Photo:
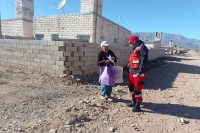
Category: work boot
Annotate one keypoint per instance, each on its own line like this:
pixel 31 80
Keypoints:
pixel 132 103
pixel 137 107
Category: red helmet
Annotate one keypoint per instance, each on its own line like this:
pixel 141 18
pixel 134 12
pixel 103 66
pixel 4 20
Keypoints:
pixel 133 38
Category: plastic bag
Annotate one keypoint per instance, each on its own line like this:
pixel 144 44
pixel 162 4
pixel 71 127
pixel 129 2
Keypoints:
pixel 119 74
pixel 107 75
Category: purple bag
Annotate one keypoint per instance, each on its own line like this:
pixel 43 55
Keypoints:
pixel 107 75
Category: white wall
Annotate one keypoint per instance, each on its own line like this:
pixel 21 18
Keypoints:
pixel 12 27
pixel 67 26
pixel 108 30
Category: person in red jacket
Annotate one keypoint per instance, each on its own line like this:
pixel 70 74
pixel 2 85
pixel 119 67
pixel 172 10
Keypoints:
pixel 136 64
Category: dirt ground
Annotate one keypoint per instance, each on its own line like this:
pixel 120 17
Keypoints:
pixel 41 103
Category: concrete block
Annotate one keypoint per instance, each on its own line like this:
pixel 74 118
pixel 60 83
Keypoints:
pixel 56 67
pixel 43 42
pixel 61 48
pixel 73 68
pixel 77 72
pixel 67 54
pixel 62 68
pixel 59 53
pixel 68 64
pixel 59 43
pixel 78 54
pixel 34 64
pixel 60 63
pixel 56 58
pixel 51 43
pixel 79 63
pixel 72 58
pixel 47 57
pixel 90 54
pixel 55 48
pixel 28 63
pixel 78 44
pixel 44 60
pixel 71 49
pixel 38 60
pixel 62 58
pixel 51 62
pixel 21 62
pixel 82 49
pixel 15 61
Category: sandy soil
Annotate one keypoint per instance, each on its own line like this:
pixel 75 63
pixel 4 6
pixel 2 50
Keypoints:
pixel 35 103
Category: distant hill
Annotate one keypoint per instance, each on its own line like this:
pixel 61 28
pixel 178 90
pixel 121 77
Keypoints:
pixel 177 39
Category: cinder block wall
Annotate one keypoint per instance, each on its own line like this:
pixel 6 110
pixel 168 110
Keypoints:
pixel 66 26
pixel 155 52
pixel 17 27
pixel 112 32
pixel 12 27
pixel 33 55
pixel 81 58
pixel 58 57
pixel 55 57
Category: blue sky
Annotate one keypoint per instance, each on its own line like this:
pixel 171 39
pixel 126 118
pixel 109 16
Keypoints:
pixel 170 16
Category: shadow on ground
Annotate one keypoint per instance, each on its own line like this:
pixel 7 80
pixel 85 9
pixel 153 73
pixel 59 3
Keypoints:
pixel 163 77
pixel 183 111
pixel 161 73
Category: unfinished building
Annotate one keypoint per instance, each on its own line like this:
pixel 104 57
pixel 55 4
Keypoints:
pixel 89 25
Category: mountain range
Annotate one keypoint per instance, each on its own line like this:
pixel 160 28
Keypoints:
pixel 179 40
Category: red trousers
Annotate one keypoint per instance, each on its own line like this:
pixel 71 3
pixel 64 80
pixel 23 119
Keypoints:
pixel 136 84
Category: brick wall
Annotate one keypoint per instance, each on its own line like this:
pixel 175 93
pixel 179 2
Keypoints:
pixel 71 25
pixel 81 58
pixel 12 27
pixel 40 56
pixel 17 27
pixel 154 49
pixel 67 26
pixel 57 57
pixel 91 6
pixel 112 32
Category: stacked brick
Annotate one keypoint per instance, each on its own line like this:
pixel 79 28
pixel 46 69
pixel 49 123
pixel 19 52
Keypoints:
pixel 56 57
pixel 81 57
pixel 33 55
pixel 12 27
pixel 66 26
pixel 122 54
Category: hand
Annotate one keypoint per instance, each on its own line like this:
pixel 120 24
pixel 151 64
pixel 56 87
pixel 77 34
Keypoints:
pixel 107 61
